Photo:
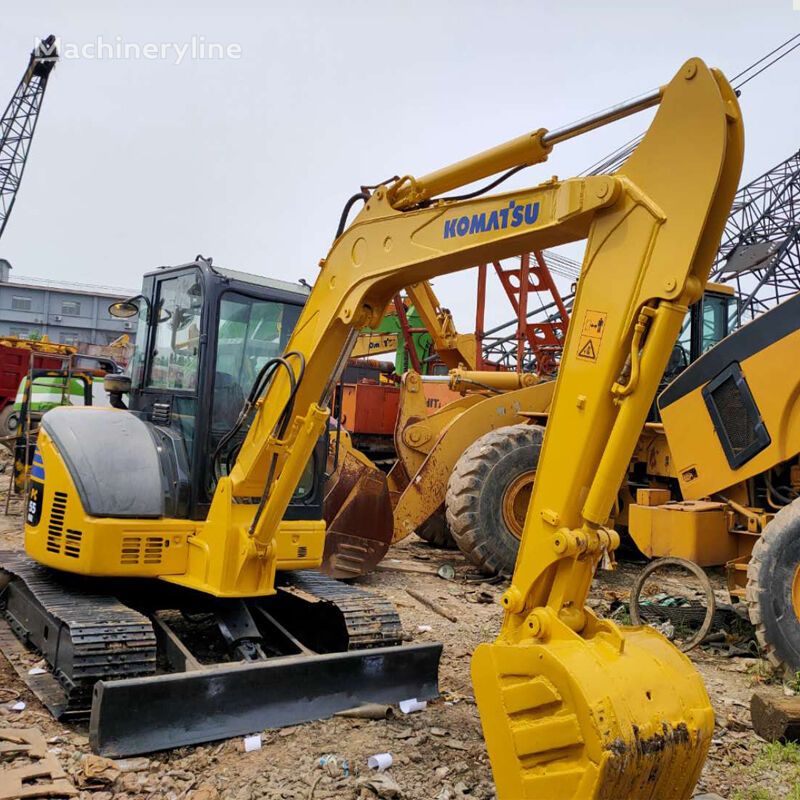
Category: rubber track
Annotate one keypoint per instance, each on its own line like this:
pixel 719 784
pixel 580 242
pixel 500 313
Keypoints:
pixel 371 620
pixel 107 639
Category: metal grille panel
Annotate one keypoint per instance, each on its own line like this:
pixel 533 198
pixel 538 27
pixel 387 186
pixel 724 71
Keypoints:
pixel 55 527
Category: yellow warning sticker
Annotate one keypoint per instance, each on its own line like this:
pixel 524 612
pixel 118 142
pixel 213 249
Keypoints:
pixel 587 348
pixel 594 325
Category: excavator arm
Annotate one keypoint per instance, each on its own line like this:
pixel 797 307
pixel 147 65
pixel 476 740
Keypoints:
pixel 571 705
pixel 453 349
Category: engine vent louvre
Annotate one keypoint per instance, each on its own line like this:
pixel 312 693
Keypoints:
pixel 735 416
pixel 141 550
pixel 72 543
pixel 55 527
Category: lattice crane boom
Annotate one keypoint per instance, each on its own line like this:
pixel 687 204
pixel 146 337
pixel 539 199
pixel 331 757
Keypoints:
pixel 760 249
pixel 18 123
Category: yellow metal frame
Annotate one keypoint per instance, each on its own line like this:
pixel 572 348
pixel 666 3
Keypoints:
pixel 453 349
pixel 428 446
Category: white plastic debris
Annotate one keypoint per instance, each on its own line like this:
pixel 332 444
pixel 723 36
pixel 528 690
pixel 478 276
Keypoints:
pixel 20 706
pixel 36 671
pixel 412 705
pixel 252 743
pixel 380 761
pixel 424 628
pixel 666 629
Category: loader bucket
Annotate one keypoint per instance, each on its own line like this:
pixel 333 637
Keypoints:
pixel 606 715
pixel 159 712
pixel 358 515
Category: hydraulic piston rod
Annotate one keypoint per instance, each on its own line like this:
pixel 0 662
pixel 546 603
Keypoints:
pixel 530 148
pixel 612 114
pixel 464 380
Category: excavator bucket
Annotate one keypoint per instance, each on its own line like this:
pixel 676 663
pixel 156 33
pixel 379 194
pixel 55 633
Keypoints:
pixel 617 715
pixel 358 512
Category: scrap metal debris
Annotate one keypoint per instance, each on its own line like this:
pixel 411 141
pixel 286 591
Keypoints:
pixel 42 776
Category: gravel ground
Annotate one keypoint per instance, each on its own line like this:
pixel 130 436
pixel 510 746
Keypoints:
pixel 438 753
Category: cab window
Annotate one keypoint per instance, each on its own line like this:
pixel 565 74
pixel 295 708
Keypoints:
pixel 250 333
pixel 714 322
pixel 176 344
pixel 137 363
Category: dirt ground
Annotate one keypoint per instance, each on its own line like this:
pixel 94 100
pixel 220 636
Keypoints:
pixel 438 753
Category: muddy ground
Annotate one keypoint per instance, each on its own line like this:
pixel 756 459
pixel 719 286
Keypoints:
pixel 439 753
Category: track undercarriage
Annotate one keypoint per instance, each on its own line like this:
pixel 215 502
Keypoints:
pixel 156 666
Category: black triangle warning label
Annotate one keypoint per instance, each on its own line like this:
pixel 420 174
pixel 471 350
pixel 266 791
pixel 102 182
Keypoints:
pixel 587 349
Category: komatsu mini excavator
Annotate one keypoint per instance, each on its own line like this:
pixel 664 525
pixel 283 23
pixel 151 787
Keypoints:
pixel 572 706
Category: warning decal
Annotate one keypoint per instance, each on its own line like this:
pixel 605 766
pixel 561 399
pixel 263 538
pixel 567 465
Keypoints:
pixel 594 324
pixel 587 349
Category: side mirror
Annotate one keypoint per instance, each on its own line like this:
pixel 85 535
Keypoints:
pixel 117 383
pixel 116 386
pixel 124 309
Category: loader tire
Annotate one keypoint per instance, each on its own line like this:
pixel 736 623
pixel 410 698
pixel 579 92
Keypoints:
pixel 436 532
pixel 488 493
pixel 9 422
pixel 773 589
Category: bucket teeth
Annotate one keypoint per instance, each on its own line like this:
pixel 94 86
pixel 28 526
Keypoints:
pixel 543 736
pixel 528 694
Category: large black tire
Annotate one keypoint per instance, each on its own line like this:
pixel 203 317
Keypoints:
pixel 476 491
pixel 435 531
pixel 773 571
pixel 9 422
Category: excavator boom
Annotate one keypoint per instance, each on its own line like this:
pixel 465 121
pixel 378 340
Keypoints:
pixel 571 705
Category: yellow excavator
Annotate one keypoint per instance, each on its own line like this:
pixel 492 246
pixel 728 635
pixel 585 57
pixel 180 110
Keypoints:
pixel 571 705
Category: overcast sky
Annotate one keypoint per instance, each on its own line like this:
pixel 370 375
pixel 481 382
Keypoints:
pixel 249 159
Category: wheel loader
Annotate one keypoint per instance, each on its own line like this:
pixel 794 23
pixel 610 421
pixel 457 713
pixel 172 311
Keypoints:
pixel 721 475
pixel 571 705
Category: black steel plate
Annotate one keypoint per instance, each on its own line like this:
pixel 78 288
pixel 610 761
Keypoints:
pixel 142 715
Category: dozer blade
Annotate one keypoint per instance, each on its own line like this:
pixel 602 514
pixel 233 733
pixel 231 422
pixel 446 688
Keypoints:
pixel 141 715
pixel 358 516
pixel 607 715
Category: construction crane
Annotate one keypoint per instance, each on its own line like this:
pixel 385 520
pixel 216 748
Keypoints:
pixel 760 249
pixel 18 123
pixel 538 338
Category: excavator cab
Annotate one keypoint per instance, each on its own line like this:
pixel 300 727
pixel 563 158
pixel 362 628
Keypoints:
pixel 118 497
pixel 203 334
